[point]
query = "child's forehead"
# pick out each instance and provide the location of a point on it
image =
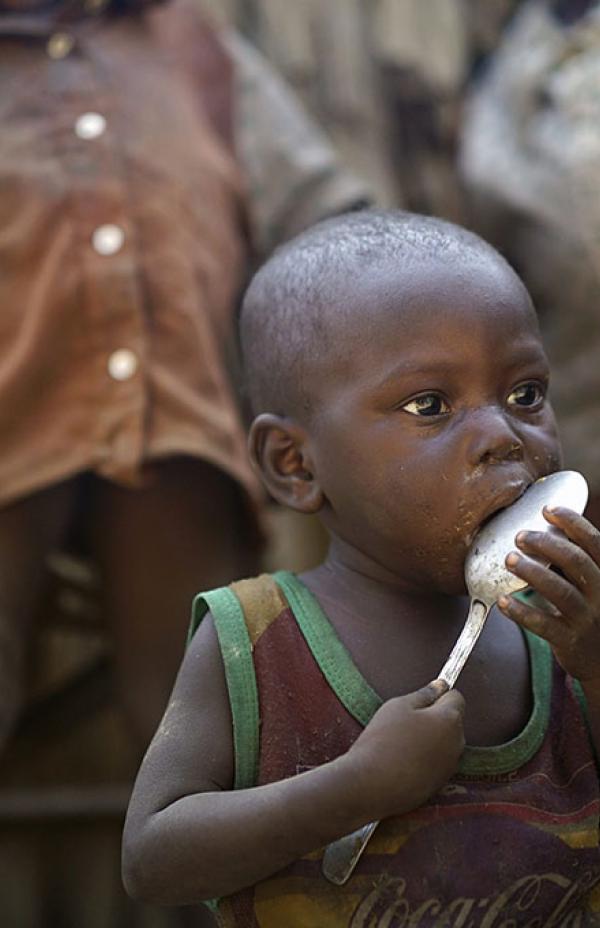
(450, 329)
(427, 293)
(347, 288)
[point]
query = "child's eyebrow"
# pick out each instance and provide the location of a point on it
(420, 366)
(523, 355)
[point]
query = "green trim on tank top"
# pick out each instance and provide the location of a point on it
(236, 651)
(361, 700)
(578, 690)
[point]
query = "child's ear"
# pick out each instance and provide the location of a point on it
(279, 451)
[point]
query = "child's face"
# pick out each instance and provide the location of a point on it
(430, 415)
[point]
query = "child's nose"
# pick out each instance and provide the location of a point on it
(492, 437)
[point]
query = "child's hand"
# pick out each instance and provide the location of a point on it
(409, 749)
(571, 620)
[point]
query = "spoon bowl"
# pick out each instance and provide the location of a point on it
(486, 574)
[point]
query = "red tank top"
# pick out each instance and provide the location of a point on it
(510, 842)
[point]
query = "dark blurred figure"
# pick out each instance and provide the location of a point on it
(143, 157)
(531, 161)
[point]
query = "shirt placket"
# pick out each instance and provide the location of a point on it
(113, 348)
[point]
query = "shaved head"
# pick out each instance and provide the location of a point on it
(295, 301)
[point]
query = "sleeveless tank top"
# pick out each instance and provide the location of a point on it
(510, 842)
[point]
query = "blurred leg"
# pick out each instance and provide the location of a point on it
(29, 529)
(157, 547)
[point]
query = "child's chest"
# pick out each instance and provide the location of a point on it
(510, 842)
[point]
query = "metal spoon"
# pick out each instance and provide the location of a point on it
(487, 578)
(486, 574)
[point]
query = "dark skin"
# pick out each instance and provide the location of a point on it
(430, 416)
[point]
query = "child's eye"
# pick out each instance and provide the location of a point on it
(527, 395)
(430, 404)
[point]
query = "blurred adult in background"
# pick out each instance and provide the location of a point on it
(145, 161)
(531, 161)
(386, 77)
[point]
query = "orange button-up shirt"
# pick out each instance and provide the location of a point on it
(123, 218)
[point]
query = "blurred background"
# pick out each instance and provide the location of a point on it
(448, 107)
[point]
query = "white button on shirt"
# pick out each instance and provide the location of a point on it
(122, 364)
(108, 239)
(59, 45)
(90, 126)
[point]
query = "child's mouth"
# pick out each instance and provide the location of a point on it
(513, 496)
(508, 495)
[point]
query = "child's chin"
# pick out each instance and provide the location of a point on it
(452, 582)
(457, 589)
(450, 585)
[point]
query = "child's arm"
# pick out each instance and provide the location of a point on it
(571, 624)
(189, 836)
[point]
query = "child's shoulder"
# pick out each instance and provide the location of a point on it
(246, 607)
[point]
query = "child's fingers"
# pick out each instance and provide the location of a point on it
(429, 694)
(452, 701)
(536, 620)
(558, 550)
(558, 591)
(577, 528)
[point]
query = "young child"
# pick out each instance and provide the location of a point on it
(400, 390)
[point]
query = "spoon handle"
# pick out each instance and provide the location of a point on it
(478, 613)
(341, 856)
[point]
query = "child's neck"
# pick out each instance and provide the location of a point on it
(348, 577)
(378, 614)
(400, 639)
